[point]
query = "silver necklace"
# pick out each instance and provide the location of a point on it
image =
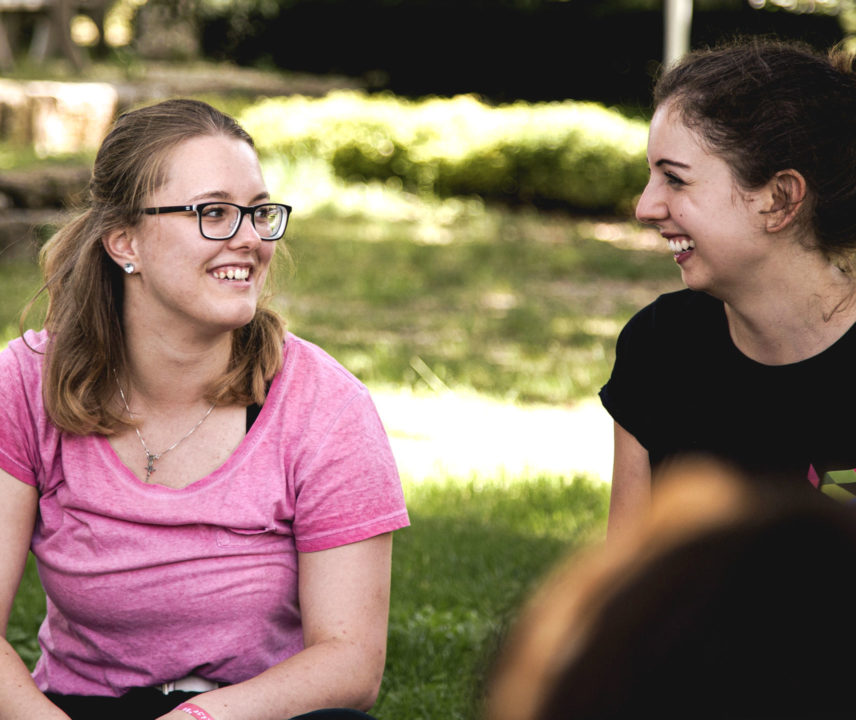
(151, 457)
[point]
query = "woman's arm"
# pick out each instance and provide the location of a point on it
(631, 483)
(344, 601)
(20, 699)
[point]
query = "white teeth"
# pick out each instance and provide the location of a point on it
(683, 245)
(232, 274)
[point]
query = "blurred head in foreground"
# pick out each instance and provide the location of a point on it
(729, 601)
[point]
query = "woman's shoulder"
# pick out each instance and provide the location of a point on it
(676, 305)
(25, 352)
(305, 361)
(32, 340)
(312, 392)
(685, 309)
(676, 324)
(25, 431)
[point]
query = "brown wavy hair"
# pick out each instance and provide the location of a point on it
(766, 105)
(85, 287)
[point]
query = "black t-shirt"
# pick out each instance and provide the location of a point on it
(680, 386)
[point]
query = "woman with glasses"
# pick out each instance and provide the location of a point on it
(752, 151)
(209, 498)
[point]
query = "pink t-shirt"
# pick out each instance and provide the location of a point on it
(147, 584)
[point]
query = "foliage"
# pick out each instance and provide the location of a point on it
(17, 156)
(579, 155)
(830, 7)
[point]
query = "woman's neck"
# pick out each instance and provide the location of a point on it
(167, 372)
(795, 318)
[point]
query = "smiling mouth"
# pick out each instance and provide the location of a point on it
(680, 246)
(232, 273)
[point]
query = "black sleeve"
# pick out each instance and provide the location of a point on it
(627, 396)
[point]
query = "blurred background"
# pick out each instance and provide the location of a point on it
(463, 174)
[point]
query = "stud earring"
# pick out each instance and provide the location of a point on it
(129, 268)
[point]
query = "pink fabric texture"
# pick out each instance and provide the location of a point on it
(147, 584)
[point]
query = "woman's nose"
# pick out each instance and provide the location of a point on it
(246, 235)
(651, 208)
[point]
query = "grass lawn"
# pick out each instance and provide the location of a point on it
(473, 551)
(517, 306)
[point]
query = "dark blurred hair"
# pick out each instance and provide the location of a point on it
(766, 106)
(728, 603)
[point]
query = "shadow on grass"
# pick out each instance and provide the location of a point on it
(459, 574)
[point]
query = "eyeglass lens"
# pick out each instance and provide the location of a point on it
(220, 220)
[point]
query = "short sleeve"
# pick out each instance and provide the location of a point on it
(350, 489)
(20, 411)
(626, 395)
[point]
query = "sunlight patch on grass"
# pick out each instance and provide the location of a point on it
(484, 440)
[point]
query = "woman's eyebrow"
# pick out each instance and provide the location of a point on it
(226, 197)
(675, 163)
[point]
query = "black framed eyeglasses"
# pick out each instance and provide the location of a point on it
(221, 220)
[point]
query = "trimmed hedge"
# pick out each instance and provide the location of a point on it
(582, 156)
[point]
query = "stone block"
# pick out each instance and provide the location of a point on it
(56, 117)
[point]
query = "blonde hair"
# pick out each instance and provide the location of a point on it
(86, 349)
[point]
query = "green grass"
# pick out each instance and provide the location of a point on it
(18, 283)
(27, 614)
(510, 305)
(474, 550)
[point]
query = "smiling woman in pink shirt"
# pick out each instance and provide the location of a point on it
(209, 498)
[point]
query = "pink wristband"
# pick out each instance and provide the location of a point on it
(194, 710)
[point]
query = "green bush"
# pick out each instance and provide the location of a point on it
(579, 155)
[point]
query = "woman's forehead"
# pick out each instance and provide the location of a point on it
(211, 164)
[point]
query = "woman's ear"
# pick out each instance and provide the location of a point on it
(785, 195)
(119, 245)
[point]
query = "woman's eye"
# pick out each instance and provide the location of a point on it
(213, 212)
(673, 179)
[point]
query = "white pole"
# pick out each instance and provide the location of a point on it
(678, 23)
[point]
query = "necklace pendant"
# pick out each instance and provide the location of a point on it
(151, 457)
(150, 464)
